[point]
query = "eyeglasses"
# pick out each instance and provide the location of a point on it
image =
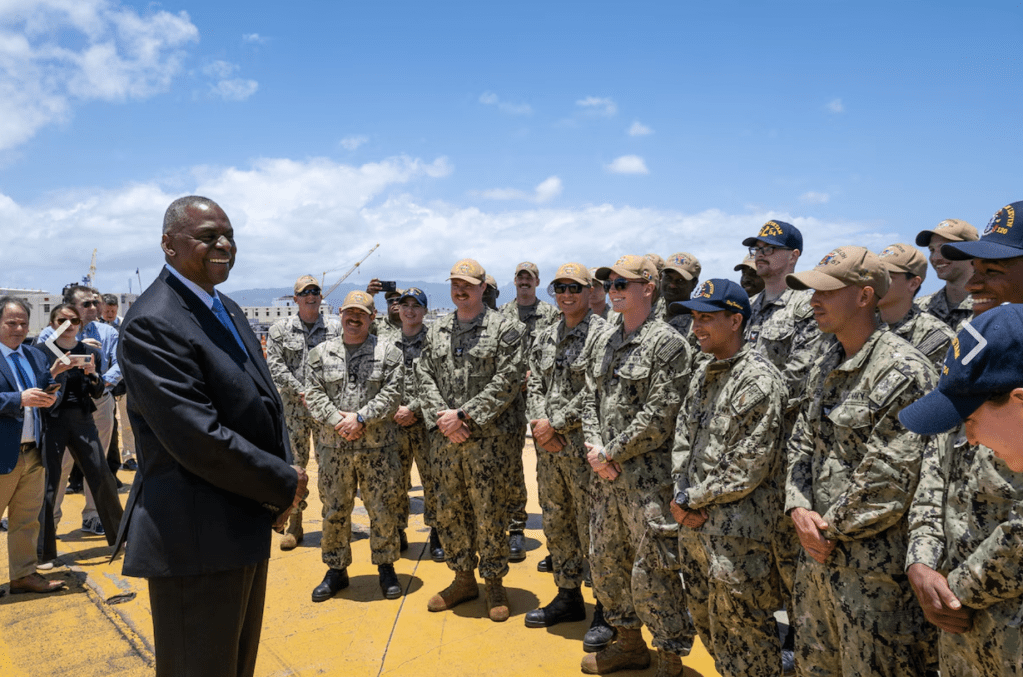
(394, 299)
(766, 250)
(90, 304)
(311, 291)
(618, 284)
(561, 288)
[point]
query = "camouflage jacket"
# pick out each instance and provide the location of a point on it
(287, 347)
(536, 317)
(728, 445)
(849, 457)
(557, 377)
(966, 521)
(938, 305)
(475, 366)
(411, 349)
(926, 333)
(369, 382)
(784, 331)
(633, 394)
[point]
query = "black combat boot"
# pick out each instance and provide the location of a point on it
(567, 607)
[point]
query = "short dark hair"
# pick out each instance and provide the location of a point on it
(71, 292)
(110, 299)
(177, 211)
(15, 301)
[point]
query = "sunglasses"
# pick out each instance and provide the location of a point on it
(90, 304)
(618, 284)
(311, 291)
(561, 288)
(73, 320)
(766, 250)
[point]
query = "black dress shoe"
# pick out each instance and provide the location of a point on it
(402, 540)
(546, 565)
(568, 606)
(516, 546)
(336, 579)
(389, 581)
(436, 551)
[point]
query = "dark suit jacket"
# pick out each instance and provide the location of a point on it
(211, 442)
(12, 414)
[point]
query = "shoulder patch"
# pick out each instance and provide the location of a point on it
(933, 341)
(670, 349)
(511, 336)
(748, 397)
(892, 382)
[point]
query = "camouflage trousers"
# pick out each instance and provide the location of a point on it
(414, 444)
(516, 480)
(472, 497)
(732, 590)
(989, 648)
(856, 623)
(305, 432)
(635, 570)
(376, 472)
(563, 485)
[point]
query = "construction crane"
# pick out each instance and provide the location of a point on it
(350, 271)
(91, 279)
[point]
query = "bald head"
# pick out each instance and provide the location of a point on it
(177, 213)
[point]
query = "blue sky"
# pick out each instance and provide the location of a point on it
(503, 131)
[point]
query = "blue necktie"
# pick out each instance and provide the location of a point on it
(221, 312)
(25, 382)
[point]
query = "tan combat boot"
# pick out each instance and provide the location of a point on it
(668, 664)
(293, 536)
(497, 600)
(627, 652)
(462, 589)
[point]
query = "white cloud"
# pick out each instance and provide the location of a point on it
(254, 38)
(234, 89)
(219, 69)
(836, 106)
(55, 55)
(628, 164)
(814, 198)
(353, 142)
(491, 99)
(639, 129)
(275, 203)
(546, 191)
(598, 106)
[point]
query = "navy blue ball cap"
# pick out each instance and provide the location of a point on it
(714, 296)
(1002, 239)
(985, 360)
(414, 293)
(778, 233)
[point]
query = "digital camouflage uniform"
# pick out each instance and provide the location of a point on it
(937, 304)
(413, 440)
(475, 366)
(382, 328)
(784, 331)
(366, 379)
(287, 345)
(854, 463)
(557, 388)
(535, 317)
(727, 459)
(926, 333)
(966, 522)
(633, 387)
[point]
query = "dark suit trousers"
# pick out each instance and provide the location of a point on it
(75, 430)
(208, 625)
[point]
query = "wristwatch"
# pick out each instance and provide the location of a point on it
(462, 415)
(682, 499)
(601, 456)
(360, 419)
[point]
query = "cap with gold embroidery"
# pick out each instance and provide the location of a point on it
(632, 267)
(685, 264)
(844, 267)
(576, 272)
(902, 258)
(469, 270)
(1002, 239)
(529, 268)
(778, 233)
(358, 299)
(954, 230)
(414, 293)
(714, 296)
(304, 282)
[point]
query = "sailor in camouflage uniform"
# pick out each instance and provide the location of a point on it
(468, 375)
(952, 303)
(554, 406)
(852, 471)
(907, 268)
(413, 440)
(289, 341)
(536, 315)
(636, 373)
(598, 300)
(679, 277)
(355, 386)
(750, 281)
(727, 454)
(965, 521)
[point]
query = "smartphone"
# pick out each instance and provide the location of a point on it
(52, 388)
(80, 360)
(388, 285)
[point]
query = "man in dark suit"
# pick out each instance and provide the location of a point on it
(23, 377)
(213, 453)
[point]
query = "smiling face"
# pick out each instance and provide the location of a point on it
(355, 324)
(952, 272)
(995, 282)
(632, 297)
(412, 315)
(717, 332)
(574, 306)
(201, 246)
(467, 297)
